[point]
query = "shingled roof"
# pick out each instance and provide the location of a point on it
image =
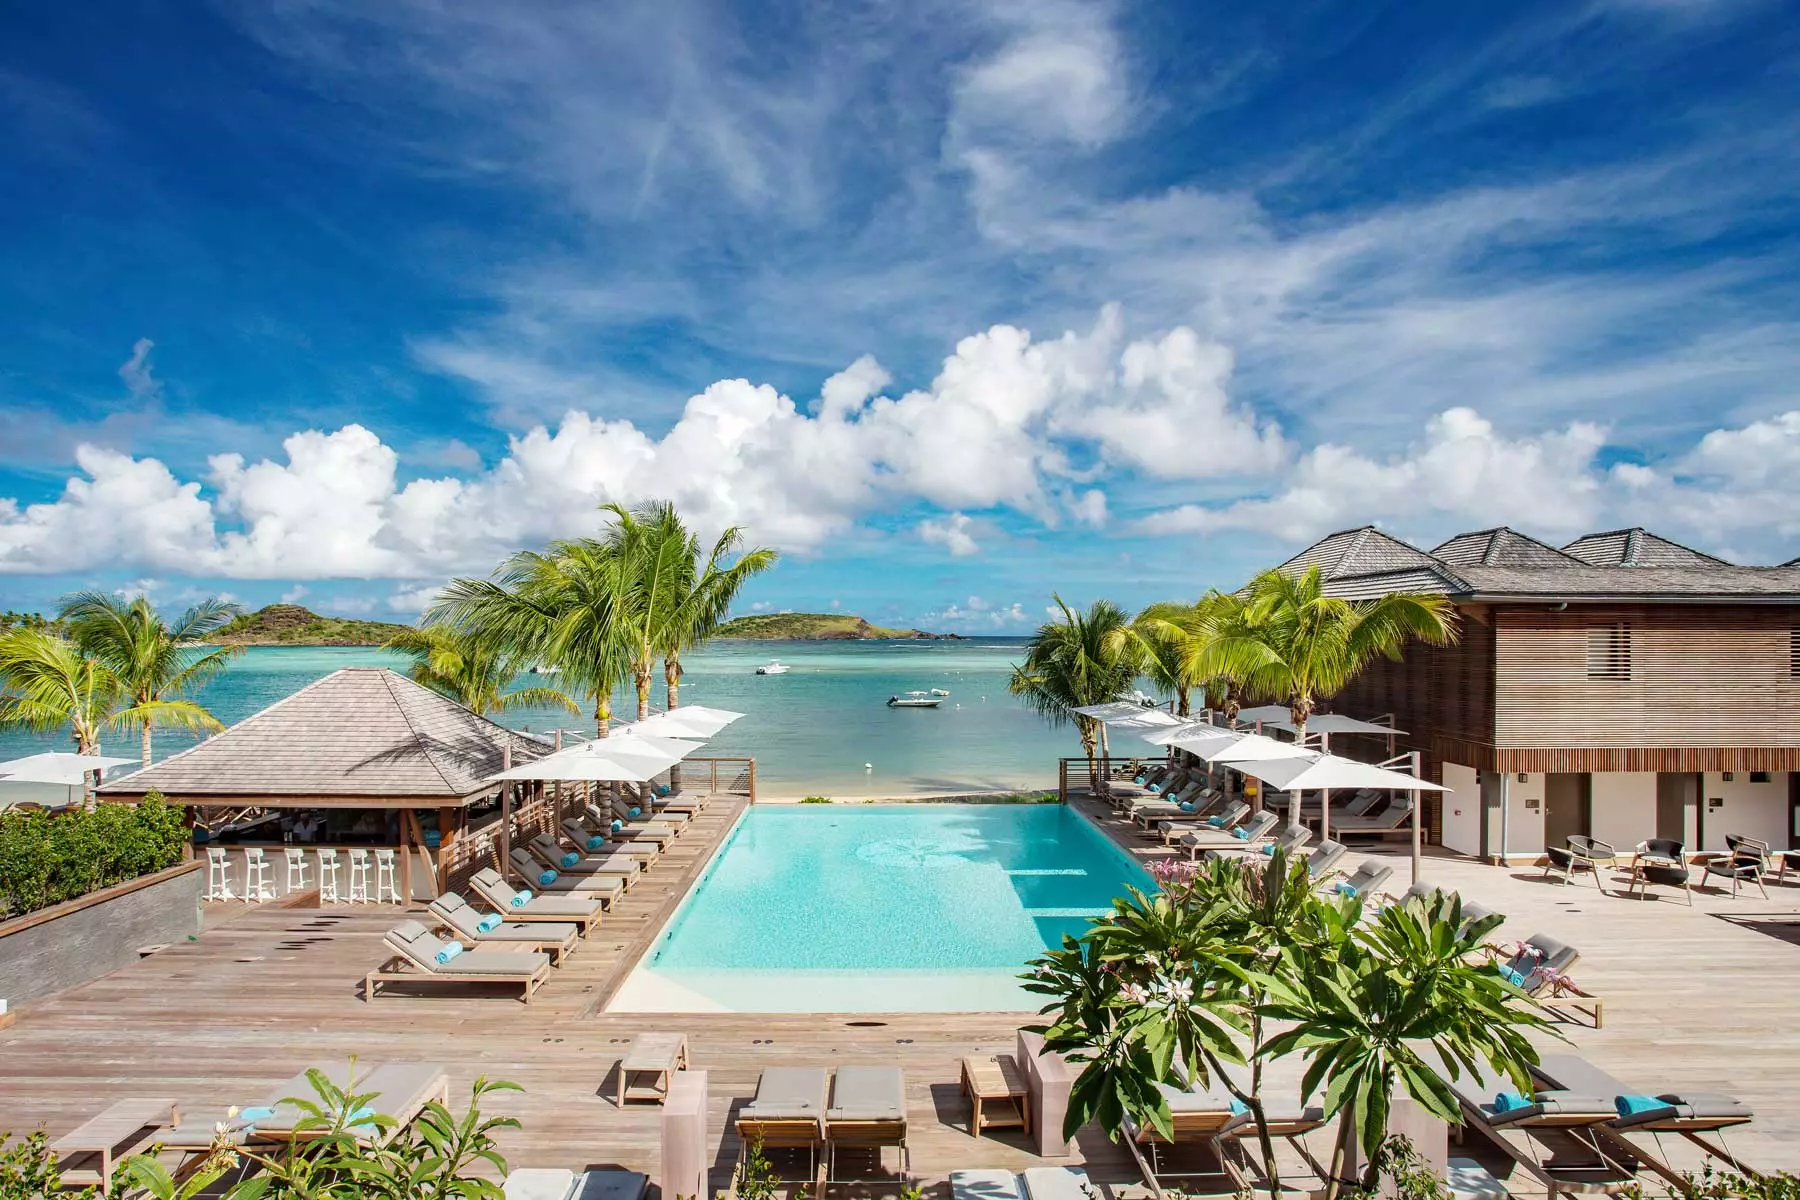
(1503, 564)
(361, 733)
(1638, 547)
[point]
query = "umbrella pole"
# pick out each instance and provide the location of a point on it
(1324, 814)
(1417, 798)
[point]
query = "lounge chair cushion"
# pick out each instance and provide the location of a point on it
(867, 1094)
(1057, 1183)
(611, 1184)
(789, 1092)
(986, 1184)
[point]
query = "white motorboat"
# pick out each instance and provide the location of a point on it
(915, 700)
(939, 692)
(542, 669)
(773, 667)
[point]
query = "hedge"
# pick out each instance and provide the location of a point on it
(47, 858)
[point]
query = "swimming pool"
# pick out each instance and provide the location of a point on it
(880, 908)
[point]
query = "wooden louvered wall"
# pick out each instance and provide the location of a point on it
(1710, 688)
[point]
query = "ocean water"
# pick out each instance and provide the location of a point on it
(822, 728)
(882, 908)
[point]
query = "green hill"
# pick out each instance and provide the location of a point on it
(814, 627)
(292, 625)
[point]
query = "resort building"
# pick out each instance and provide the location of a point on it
(1623, 686)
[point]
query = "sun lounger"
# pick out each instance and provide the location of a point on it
(986, 1184)
(1249, 833)
(1204, 820)
(1689, 1114)
(584, 910)
(541, 1183)
(645, 824)
(555, 939)
(398, 1090)
(1395, 819)
(1293, 837)
(1471, 911)
(1194, 1158)
(868, 1112)
(1322, 863)
(90, 1152)
(1539, 966)
(552, 880)
(433, 959)
(1553, 1136)
(1034, 1183)
(603, 820)
(1469, 1180)
(607, 861)
(788, 1112)
(1365, 883)
(650, 1064)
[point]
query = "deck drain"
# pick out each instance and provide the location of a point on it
(865, 1024)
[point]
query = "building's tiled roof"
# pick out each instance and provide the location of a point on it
(1638, 547)
(1504, 564)
(1501, 547)
(360, 731)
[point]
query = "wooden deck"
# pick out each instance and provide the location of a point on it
(1692, 998)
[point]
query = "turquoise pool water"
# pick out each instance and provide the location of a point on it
(882, 908)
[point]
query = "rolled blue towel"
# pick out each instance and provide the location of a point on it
(1215, 822)
(1630, 1106)
(255, 1114)
(1187, 806)
(1242, 835)
(490, 922)
(617, 825)
(1516, 978)
(1347, 889)
(570, 859)
(1238, 1107)
(449, 952)
(596, 842)
(635, 812)
(1507, 1101)
(362, 1116)
(662, 791)
(521, 899)
(1268, 848)
(547, 877)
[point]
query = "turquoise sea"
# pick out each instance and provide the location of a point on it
(811, 730)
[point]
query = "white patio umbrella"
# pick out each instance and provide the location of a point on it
(699, 712)
(1335, 723)
(594, 768)
(1143, 720)
(1264, 713)
(628, 741)
(678, 724)
(1330, 771)
(1111, 710)
(1200, 730)
(1251, 747)
(53, 780)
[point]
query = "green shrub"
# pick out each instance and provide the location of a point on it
(47, 858)
(28, 1171)
(817, 800)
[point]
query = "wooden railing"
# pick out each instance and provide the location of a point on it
(1077, 775)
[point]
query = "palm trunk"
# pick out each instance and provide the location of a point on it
(1182, 707)
(602, 714)
(672, 680)
(642, 679)
(146, 746)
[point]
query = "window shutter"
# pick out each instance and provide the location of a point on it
(1609, 652)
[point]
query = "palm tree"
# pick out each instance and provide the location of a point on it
(558, 606)
(1288, 641)
(154, 662)
(471, 672)
(1078, 660)
(702, 592)
(49, 683)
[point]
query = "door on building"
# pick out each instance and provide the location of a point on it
(1678, 807)
(1568, 807)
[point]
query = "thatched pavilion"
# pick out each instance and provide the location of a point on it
(363, 757)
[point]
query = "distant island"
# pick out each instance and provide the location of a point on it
(293, 625)
(817, 627)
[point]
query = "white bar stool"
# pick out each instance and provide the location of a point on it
(296, 875)
(259, 884)
(387, 890)
(218, 875)
(359, 876)
(328, 872)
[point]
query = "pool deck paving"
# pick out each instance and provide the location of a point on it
(1701, 997)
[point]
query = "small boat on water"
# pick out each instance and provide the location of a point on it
(915, 700)
(773, 667)
(939, 692)
(542, 669)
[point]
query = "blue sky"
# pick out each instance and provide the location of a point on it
(955, 304)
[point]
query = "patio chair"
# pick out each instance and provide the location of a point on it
(1247, 834)
(1746, 858)
(1365, 884)
(787, 1113)
(1539, 967)
(868, 1112)
(1582, 853)
(1202, 820)
(550, 880)
(1661, 861)
(584, 910)
(1687, 1114)
(494, 930)
(439, 961)
(1292, 838)
(1556, 1137)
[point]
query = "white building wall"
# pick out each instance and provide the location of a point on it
(1462, 809)
(1624, 807)
(1524, 816)
(1758, 810)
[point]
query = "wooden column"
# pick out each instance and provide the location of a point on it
(405, 854)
